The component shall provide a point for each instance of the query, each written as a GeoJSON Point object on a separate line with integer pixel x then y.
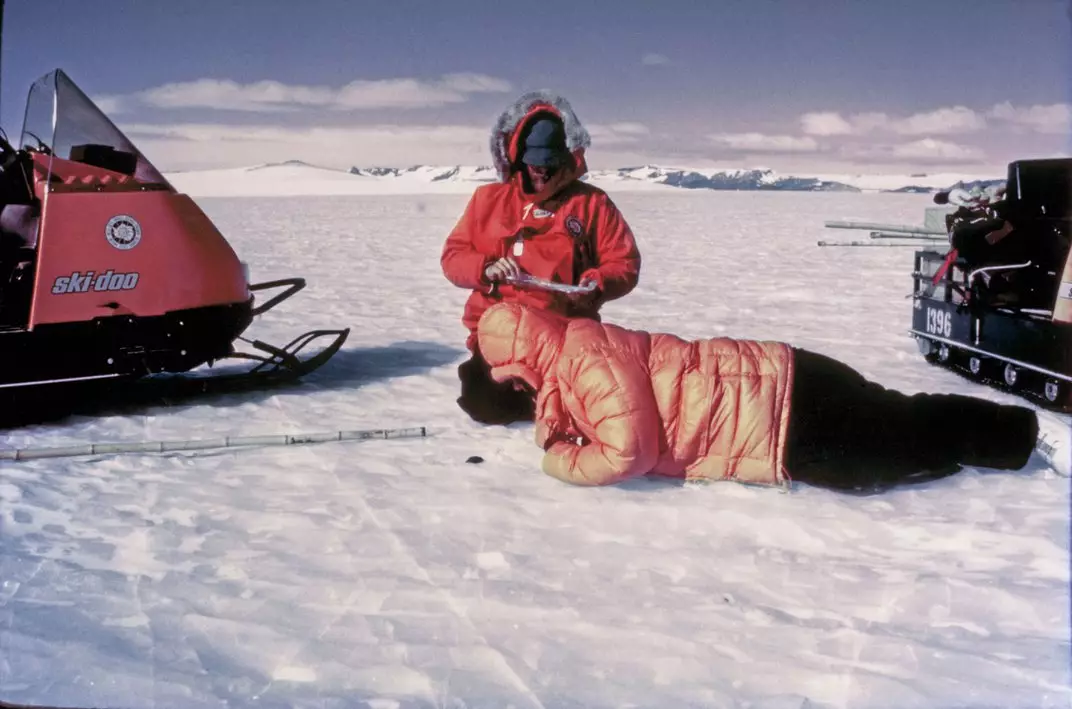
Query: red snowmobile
{"type": "Point", "coordinates": [107, 272]}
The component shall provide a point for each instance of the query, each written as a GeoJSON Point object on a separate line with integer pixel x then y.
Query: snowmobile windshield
{"type": "Point", "coordinates": [39, 120]}
{"type": "Point", "coordinates": [62, 122]}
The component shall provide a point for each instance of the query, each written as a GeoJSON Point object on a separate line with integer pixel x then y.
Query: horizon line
{"type": "Point", "coordinates": [481, 166]}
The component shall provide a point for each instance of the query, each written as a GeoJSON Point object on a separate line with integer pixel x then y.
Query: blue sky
{"type": "Point", "coordinates": [796, 85]}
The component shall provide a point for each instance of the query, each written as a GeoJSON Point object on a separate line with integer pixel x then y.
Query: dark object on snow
{"type": "Point", "coordinates": [474, 459]}
{"type": "Point", "coordinates": [997, 307]}
{"type": "Point", "coordinates": [486, 400]}
{"type": "Point", "coordinates": [846, 432]}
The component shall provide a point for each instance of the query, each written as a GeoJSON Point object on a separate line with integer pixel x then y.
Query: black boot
{"type": "Point", "coordinates": [489, 402]}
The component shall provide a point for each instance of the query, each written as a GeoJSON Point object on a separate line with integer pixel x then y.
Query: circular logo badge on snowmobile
{"type": "Point", "coordinates": [123, 232]}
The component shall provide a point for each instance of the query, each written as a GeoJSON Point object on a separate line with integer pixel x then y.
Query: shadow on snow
{"type": "Point", "coordinates": [348, 369]}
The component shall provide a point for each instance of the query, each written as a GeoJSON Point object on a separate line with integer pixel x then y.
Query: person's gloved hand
{"type": "Point", "coordinates": [584, 299]}
{"type": "Point", "coordinates": [502, 270]}
{"type": "Point", "coordinates": [548, 435]}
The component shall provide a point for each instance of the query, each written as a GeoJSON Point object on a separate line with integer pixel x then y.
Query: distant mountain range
{"type": "Point", "coordinates": [298, 177]}
{"type": "Point", "coordinates": [670, 177]}
{"type": "Point", "coordinates": [746, 179]}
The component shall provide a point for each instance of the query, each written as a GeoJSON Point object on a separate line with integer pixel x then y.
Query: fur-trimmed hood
{"type": "Point", "coordinates": [505, 151]}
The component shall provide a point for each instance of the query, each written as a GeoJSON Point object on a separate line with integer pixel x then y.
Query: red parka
{"type": "Point", "coordinates": [569, 232]}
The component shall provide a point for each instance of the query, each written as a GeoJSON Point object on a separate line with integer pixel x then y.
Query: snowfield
{"type": "Point", "coordinates": [294, 177]}
{"type": "Point", "coordinates": [392, 574]}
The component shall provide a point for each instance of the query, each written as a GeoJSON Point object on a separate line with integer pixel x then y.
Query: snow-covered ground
{"type": "Point", "coordinates": [295, 178]}
{"type": "Point", "coordinates": [389, 574]}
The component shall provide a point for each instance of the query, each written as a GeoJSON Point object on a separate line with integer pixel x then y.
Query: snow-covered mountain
{"type": "Point", "coordinates": [430, 173]}
{"type": "Point", "coordinates": [749, 179]}
{"type": "Point", "coordinates": [295, 177]}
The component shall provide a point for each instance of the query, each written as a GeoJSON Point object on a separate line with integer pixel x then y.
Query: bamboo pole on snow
{"type": "Point", "coordinates": [210, 443]}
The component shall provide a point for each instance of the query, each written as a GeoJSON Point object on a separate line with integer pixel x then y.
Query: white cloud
{"type": "Point", "coordinates": [267, 96]}
{"type": "Point", "coordinates": [194, 146]}
{"type": "Point", "coordinates": [1051, 119]}
{"type": "Point", "coordinates": [760, 143]}
{"type": "Point", "coordinates": [205, 145]}
{"type": "Point", "coordinates": [654, 59]}
{"type": "Point", "coordinates": [108, 104]}
{"type": "Point", "coordinates": [927, 151]}
{"type": "Point", "coordinates": [617, 133]}
{"type": "Point", "coordinates": [476, 83]}
{"type": "Point", "coordinates": [825, 123]}
{"type": "Point", "coordinates": [630, 128]}
{"type": "Point", "coordinates": [941, 121]}
{"type": "Point", "coordinates": [870, 121]}
{"type": "Point", "coordinates": [226, 94]}
{"type": "Point", "coordinates": [931, 149]}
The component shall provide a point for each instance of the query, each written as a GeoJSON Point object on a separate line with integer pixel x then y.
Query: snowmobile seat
{"type": "Point", "coordinates": [18, 251]}
{"type": "Point", "coordinates": [18, 227]}
{"type": "Point", "coordinates": [18, 239]}
{"type": "Point", "coordinates": [16, 180]}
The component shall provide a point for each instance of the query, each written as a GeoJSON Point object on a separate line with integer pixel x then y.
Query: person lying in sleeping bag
{"type": "Point", "coordinates": [613, 404]}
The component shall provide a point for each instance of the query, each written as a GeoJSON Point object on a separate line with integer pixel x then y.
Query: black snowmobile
{"type": "Point", "coordinates": [997, 305]}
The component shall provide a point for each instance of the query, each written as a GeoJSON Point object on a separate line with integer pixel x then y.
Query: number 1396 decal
{"type": "Point", "coordinates": [939, 322]}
